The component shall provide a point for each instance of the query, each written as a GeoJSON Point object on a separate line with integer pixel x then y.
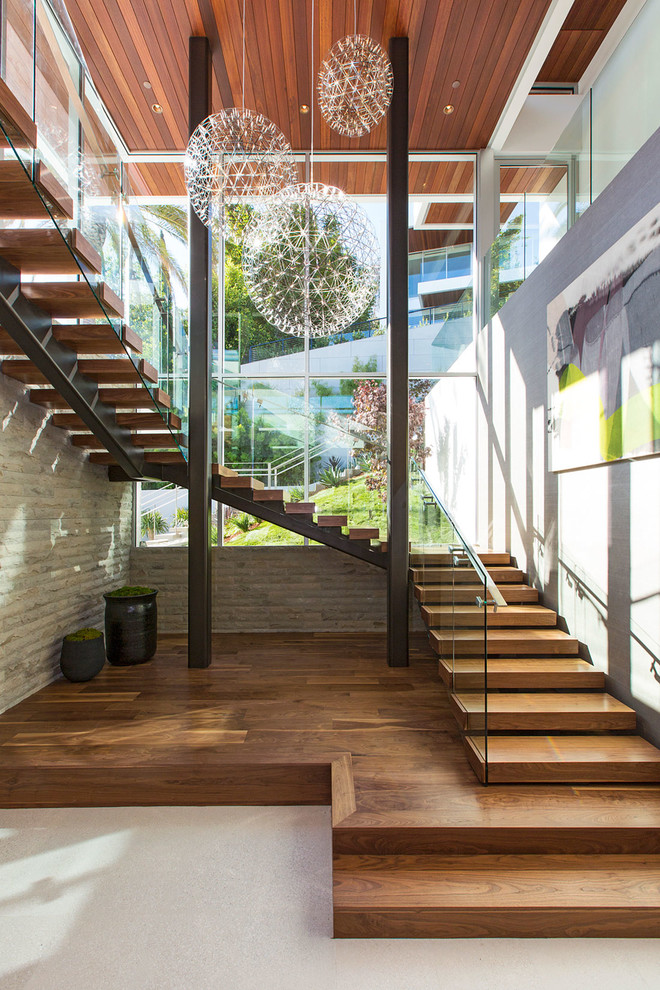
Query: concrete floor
{"type": "Point", "coordinates": [235, 899]}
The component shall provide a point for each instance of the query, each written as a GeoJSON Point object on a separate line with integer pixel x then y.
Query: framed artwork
{"type": "Point", "coordinates": [604, 355]}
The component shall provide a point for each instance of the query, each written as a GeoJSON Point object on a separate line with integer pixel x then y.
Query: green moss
{"type": "Point", "coordinates": [130, 591]}
{"type": "Point", "coordinates": [82, 634]}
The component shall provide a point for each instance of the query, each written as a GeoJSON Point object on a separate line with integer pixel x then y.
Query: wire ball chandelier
{"type": "Point", "coordinates": [355, 85]}
{"type": "Point", "coordinates": [311, 261]}
{"type": "Point", "coordinates": [235, 156]}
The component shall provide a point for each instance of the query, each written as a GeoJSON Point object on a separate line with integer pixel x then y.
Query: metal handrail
{"type": "Point", "coordinates": [474, 559]}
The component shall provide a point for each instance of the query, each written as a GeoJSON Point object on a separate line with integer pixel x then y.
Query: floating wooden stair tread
{"type": "Point", "coordinates": [268, 495]}
{"type": "Point", "coordinates": [221, 470]}
{"type": "Point", "coordinates": [97, 338]}
{"type": "Point", "coordinates": [164, 441]}
{"type": "Point", "coordinates": [16, 121]}
{"type": "Point", "coordinates": [571, 759]}
{"type": "Point", "coordinates": [151, 421]}
{"type": "Point", "coordinates": [73, 300]}
{"type": "Point", "coordinates": [364, 533]}
{"type": "Point", "coordinates": [20, 200]}
{"type": "Point", "coordinates": [300, 508]}
{"type": "Point", "coordinates": [464, 575]}
{"type": "Point", "coordinates": [444, 559]}
{"type": "Point", "coordinates": [332, 522]}
{"type": "Point", "coordinates": [513, 594]}
{"type": "Point", "coordinates": [496, 896]}
{"type": "Point", "coordinates": [240, 482]}
{"type": "Point", "coordinates": [105, 371]}
{"type": "Point", "coordinates": [472, 615]}
{"type": "Point", "coordinates": [505, 642]}
{"type": "Point", "coordinates": [44, 251]}
{"type": "Point", "coordinates": [521, 673]}
{"type": "Point", "coordinates": [555, 712]}
{"type": "Point", "coordinates": [150, 457]}
{"type": "Point", "coordinates": [120, 398]}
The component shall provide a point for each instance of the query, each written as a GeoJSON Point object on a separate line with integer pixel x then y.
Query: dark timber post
{"type": "Point", "coordinates": [199, 388]}
{"type": "Point", "coordinates": [397, 388]}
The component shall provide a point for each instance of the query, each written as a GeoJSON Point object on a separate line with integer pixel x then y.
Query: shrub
{"type": "Point", "coordinates": [153, 523]}
{"type": "Point", "coordinates": [130, 591]}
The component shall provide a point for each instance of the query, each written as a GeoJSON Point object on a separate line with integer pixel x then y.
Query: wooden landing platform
{"type": "Point", "coordinates": [292, 719]}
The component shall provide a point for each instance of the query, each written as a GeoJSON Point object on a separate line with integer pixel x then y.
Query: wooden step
{"type": "Point", "coordinates": [45, 251]}
{"type": "Point", "coordinates": [73, 300]}
{"type": "Point", "coordinates": [521, 673]}
{"type": "Point", "coordinates": [150, 457]}
{"type": "Point", "coordinates": [222, 470]}
{"type": "Point", "coordinates": [240, 482]}
{"type": "Point", "coordinates": [565, 759]}
{"type": "Point", "coordinates": [163, 441]}
{"type": "Point", "coordinates": [300, 508]}
{"type": "Point", "coordinates": [505, 642]}
{"type": "Point", "coordinates": [539, 712]}
{"type": "Point", "coordinates": [103, 371]}
{"type": "Point", "coordinates": [513, 594]}
{"type": "Point", "coordinates": [20, 200]}
{"type": "Point", "coordinates": [363, 533]}
{"type": "Point", "coordinates": [332, 522]}
{"type": "Point", "coordinates": [151, 421]}
{"type": "Point", "coordinates": [138, 397]}
{"type": "Point", "coordinates": [97, 338]}
{"type": "Point", "coordinates": [443, 558]}
{"type": "Point", "coordinates": [268, 495]}
{"type": "Point", "coordinates": [444, 616]}
{"type": "Point", "coordinates": [464, 575]}
{"type": "Point", "coordinates": [17, 124]}
{"type": "Point", "coordinates": [496, 896]}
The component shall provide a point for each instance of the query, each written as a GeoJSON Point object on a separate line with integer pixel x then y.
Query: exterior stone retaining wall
{"type": "Point", "coordinates": [65, 538]}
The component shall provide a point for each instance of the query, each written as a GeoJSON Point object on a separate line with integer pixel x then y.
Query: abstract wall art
{"type": "Point", "coordinates": [604, 355]}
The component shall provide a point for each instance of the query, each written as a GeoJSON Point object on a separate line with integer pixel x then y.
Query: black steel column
{"type": "Point", "coordinates": [397, 385]}
{"type": "Point", "coordinates": [199, 388]}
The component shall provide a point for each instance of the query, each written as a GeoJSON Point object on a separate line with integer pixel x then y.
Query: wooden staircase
{"type": "Point", "coordinates": [549, 717]}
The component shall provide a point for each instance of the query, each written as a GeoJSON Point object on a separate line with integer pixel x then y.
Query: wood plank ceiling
{"type": "Point", "coordinates": [580, 37]}
{"type": "Point", "coordinates": [481, 44]}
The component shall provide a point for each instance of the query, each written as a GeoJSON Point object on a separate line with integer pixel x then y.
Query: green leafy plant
{"type": "Point", "coordinates": [181, 518]}
{"type": "Point", "coordinates": [245, 522]}
{"type": "Point", "coordinates": [333, 476]}
{"type": "Point", "coordinates": [296, 494]}
{"type": "Point", "coordinates": [81, 635]}
{"type": "Point", "coordinates": [153, 523]}
{"type": "Point", "coordinates": [130, 591]}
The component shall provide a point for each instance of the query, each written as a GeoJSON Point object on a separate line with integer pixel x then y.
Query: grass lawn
{"type": "Point", "coordinates": [354, 500]}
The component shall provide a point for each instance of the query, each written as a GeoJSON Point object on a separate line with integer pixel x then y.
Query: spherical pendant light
{"type": "Point", "coordinates": [355, 85]}
{"type": "Point", "coordinates": [235, 156]}
{"type": "Point", "coordinates": [311, 261]}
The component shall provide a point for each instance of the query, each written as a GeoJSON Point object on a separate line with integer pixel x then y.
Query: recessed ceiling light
{"type": "Point", "coordinates": [448, 109]}
{"type": "Point", "coordinates": [146, 84]}
{"type": "Point", "coordinates": [304, 108]}
{"type": "Point", "coordinates": [156, 107]}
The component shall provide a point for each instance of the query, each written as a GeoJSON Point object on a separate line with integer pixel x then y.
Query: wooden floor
{"type": "Point", "coordinates": [287, 719]}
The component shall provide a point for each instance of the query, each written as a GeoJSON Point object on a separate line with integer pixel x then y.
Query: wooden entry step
{"type": "Point", "coordinates": [503, 642]}
{"type": "Point", "coordinates": [521, 673]}
{"type": "Point", "coordinates": [572, 759]}
{"type": "Point", "coordinates": [21, 199]}
{"type": "Point", "coordinates": [441, 616]}
{"type": "Point", "coordinates": [438, 594]}
{"type": "Point", "coordinates": [541, 712]}
{"type": "Point", "coordinates": [496, 896]}
{"type": "Point", "coordinates": [46, 251]}
{"type": "Point", "coordinates": [464, 575]}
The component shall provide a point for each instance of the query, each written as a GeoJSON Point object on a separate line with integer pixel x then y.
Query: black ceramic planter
{"type": "Point", "coordinates": [82, 659]}
{"type": "Point", "coordinates": [130, 628]}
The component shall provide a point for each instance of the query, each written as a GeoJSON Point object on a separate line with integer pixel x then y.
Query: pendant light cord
{"type": "Point", "coordinates": [311, 106]}
{"type": "Point", "coordinates": [243, 82]}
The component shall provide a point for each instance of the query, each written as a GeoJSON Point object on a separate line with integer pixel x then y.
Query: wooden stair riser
{"type": "Point", "coordinates": [467, 616]}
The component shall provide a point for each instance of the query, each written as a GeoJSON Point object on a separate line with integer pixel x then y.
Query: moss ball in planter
{"type": "Point", "coordinates": [83, 654]}
{"type": "Point", "coordinates": [131, 617]}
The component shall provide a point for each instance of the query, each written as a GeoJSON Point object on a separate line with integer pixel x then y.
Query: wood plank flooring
{"type": "Point", "coordinates": [320, 719]}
